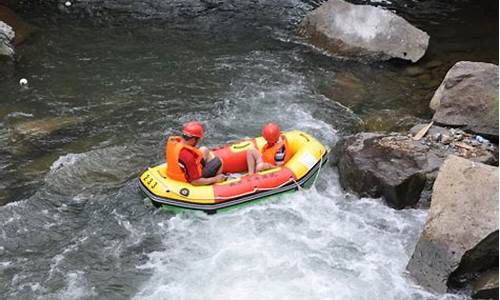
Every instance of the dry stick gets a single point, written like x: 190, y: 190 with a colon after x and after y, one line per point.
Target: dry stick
x: 422, y: 131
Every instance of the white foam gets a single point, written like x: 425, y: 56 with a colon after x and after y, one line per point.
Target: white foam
x: 308, y: 246
x: 65, y: 160
x: 365, y: 24
x: 76, y: 287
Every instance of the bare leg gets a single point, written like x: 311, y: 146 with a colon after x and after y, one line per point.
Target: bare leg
x: 255, y: 162
x: 206, y: 153
x: 251, y: 160
x: 264, y: 166
x: 209, y: 155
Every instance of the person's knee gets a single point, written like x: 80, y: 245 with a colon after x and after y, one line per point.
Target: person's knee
x: 206, y: 153
x: 204, y: 150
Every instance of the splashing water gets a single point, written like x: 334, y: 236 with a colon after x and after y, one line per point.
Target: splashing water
x: 85, y: 232
x: 312, y: 245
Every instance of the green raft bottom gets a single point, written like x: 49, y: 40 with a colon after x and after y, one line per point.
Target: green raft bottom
x: 306, y: 185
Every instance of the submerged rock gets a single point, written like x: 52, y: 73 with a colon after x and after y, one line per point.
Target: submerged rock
x: 347, y: 89
x: 43, y: 127
x: 468, y: 98
x: 387, y: 120
x: 399, y: 168
x: 340, y: 116
x: 35, y: 137
x: 6, y: 39
x: 363, y: 32
x: 460, y: 238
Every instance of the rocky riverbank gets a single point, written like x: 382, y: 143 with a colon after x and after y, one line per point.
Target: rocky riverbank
x: 402, y: 168
x: 458, y: 249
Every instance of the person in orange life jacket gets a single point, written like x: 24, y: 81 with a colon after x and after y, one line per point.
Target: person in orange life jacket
x: 185, y: 162
x: 275, y: 153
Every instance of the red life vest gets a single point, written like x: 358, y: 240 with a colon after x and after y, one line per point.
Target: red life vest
x: 269, y: 152
x: 175, y: 170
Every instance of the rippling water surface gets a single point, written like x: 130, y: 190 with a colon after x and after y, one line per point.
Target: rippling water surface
x: 76, y: 226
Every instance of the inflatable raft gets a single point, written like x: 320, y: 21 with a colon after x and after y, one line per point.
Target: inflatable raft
x: 300, y: 171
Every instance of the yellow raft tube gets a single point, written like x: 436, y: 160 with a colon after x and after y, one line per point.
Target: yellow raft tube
x: 300, y: 171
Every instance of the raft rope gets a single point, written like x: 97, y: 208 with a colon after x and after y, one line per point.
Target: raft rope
x: 299, y: 187
x: 319, y: 169
x: 297, y: 184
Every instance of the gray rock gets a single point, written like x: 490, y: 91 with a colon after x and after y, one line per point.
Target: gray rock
x: 22, y: 30
x: 395, y: 166
x: 363, y: 32
x: 371, y: 168
x: 460, y: 237
x: 468, y: 98
x: 486, y: 286
x: 6, y: 39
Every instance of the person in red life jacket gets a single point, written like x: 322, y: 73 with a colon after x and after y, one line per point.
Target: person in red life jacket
x: 187, y: 163
x: 275, y: 153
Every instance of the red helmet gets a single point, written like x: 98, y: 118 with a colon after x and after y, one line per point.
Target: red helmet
x: 193, y: 129
x: 271, y: 132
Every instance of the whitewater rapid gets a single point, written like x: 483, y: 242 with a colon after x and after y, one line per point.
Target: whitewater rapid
x: 86, y: 232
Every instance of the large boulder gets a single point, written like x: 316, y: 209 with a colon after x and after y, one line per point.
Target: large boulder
x: 460, y: 237
x: 6, y: 39
x: 468, y: 98
x: 363, y: 32
x: 399, y: 168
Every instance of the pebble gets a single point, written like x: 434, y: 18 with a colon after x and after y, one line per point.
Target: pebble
x: 445, y: 139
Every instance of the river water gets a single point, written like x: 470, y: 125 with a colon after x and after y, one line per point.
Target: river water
x: 75, y: 225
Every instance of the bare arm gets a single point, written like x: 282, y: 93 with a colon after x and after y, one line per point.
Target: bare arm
x: 210, y: 180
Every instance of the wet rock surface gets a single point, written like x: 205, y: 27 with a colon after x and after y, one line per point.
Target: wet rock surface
x: 460, y: 238
x: 6, y: 41
x: 468, y: 98
x: 401, y: 169
x: 363, y: 32
x: 387, y: 120
x: 486, y: 286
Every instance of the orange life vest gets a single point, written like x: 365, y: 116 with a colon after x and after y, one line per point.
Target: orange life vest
x: 269, y: 152
x: 175, y: 170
